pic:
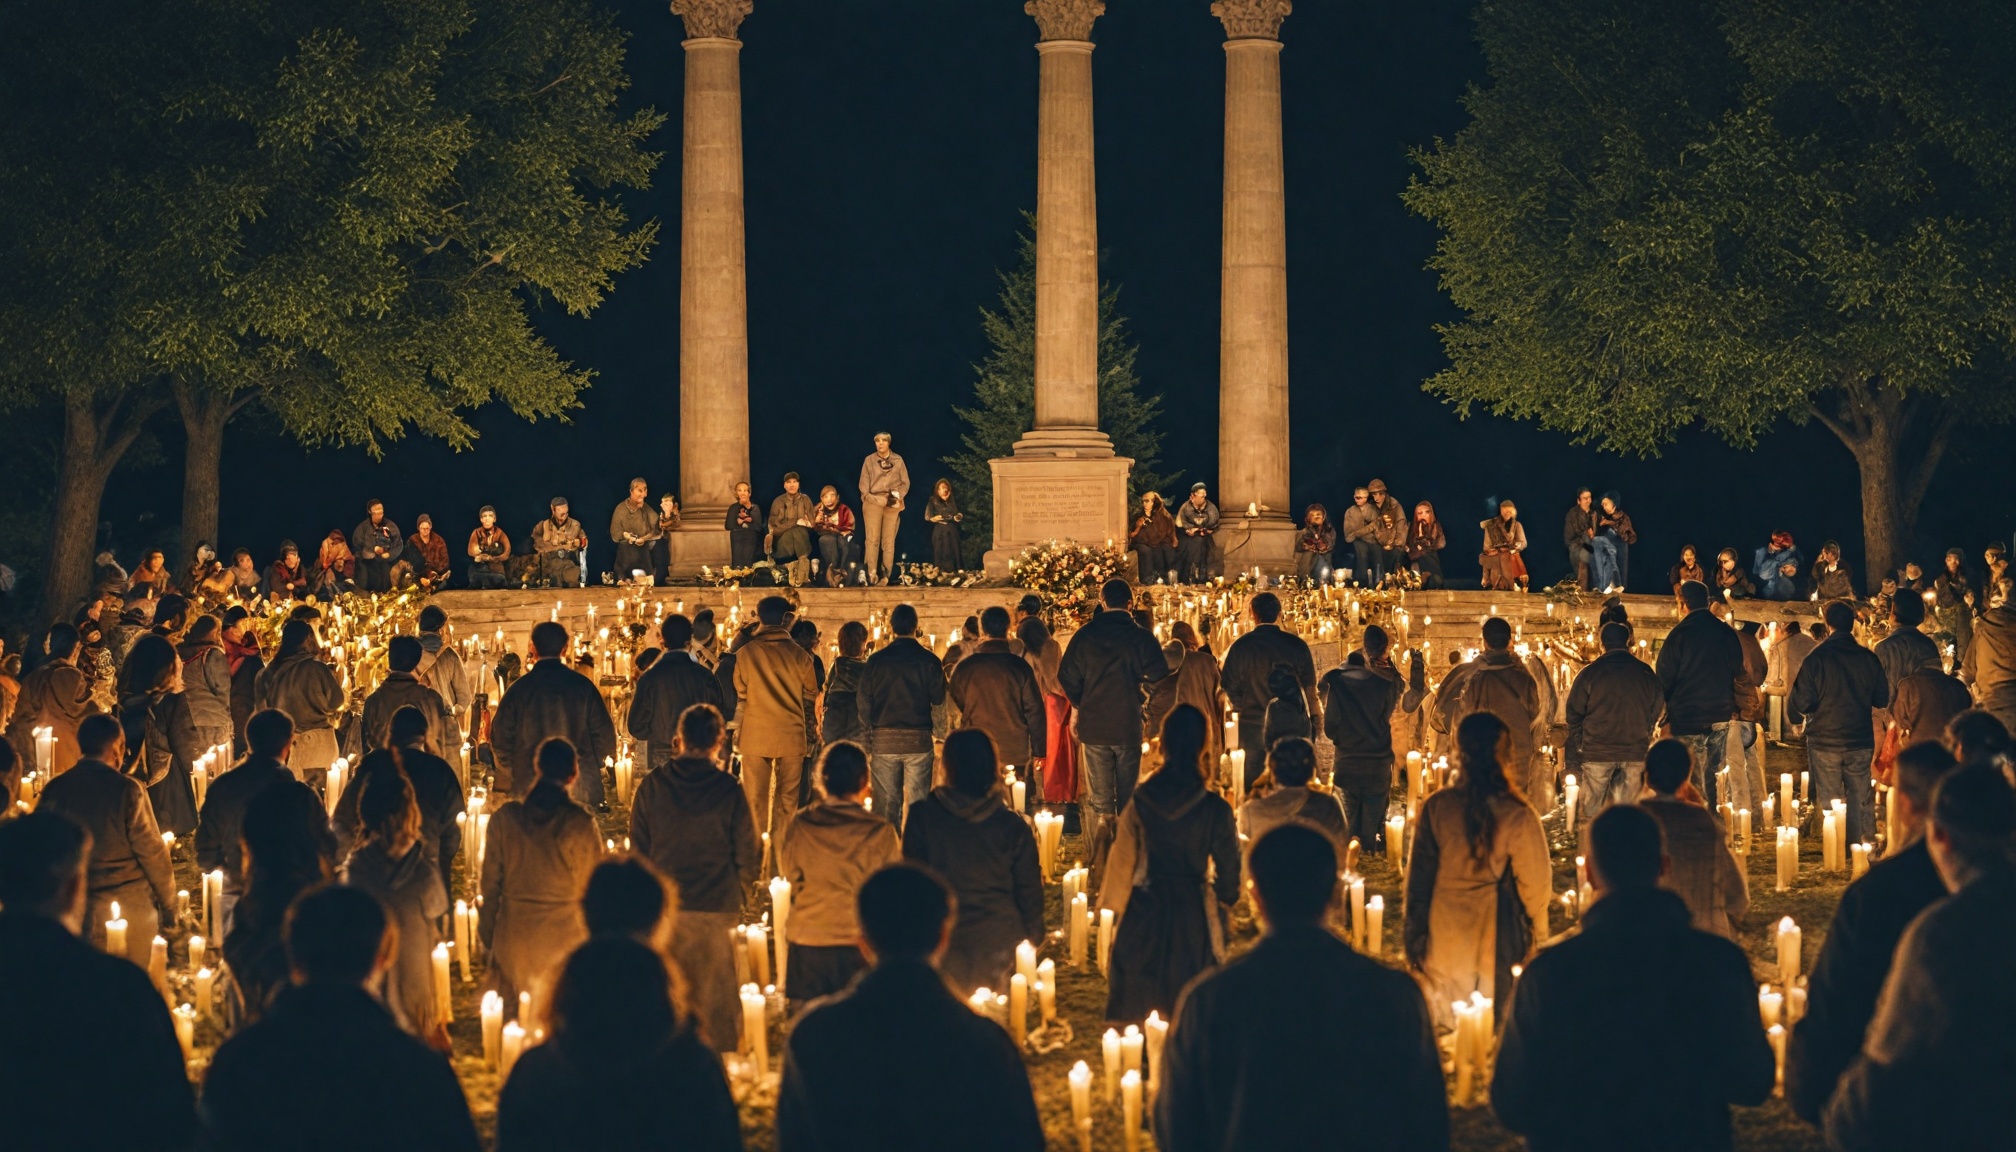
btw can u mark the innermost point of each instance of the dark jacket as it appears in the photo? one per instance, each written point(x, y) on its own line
point(403, 690)
point(384, 534)
point(437, 791)
point(549, 700)
point(1838, 687)
point(842, 718)
point(1905, 651)
point(664, 692)
point(988, 855)
point(896, 693)
point(1698, 667)
point(964, 1087)
point(677, 1098)
point(273, 1084)
point(222, 821)
point(1103, 672)
point(302, 686)
point(1849, 974)
point(1636, 979)
point(1253, 656)
point(88, 1055)
point(1613, 707)
point(1252, 1055)
point(1925, 702)
point(692, 820)
point(996, 692)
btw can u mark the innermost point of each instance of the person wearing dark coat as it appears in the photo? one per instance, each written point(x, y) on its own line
point(390, 863)
point(88, 1055)
point(964, 1086)
point(551, 700)
point(1906, 649)
point(624, 1070)
point(1252, 1051)
point(667, 688)
point(161, 738)
point(1936, 1066)
point(1169, 926)
point(288, 849)
point(1698, 668)
point(1862, 940)
point(1359, 700)
point(378, 544)
point(436, 789)
point(1249, 662)
point(1925, 702)
point(244, 659)
point(965, 833)
point(1839, 688)
point(1613, 706)
point(841, 719)
point(1103, 673)
point(894, 697)
point(1636, 979)
point(282, 1081)
point(1287, 713)
point(128, 863)
point(942, 513)
point(220, 827)
point(745, 525)
point(401, 688)
point(996, 692)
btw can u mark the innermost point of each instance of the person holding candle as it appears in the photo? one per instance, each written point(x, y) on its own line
point(308, 691)
point(1501, 560)
point(899, 687)
point(633, 528)
point(1252, 1056)
point(489, 550)
point(378, 545)
point(536, 858)
point(1613, 707)
point(1314, 543)
point(1839, 688)
point(437, 793)
point(288, 849)
point(830, 851)
point(1425, 542)
point(942, 513)
point(390, 864)
point(55, 695)
point(328, 1066)
point(1701, 869)
point(1989, 664)
point(996, 692)
point(558, 541)
point(962, 1084)
point(667, 689)
point(220, 825)
point(1689, 568)
point(90, 1049)
point(287, 578)
point(1104, 670)
point(1361, 529)
point(1635, 979)
point(551, 701)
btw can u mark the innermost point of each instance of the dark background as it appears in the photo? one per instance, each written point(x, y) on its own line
point(890, 149)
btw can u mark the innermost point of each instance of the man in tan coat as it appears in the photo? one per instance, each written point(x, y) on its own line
point(1701, 869)
point(129, 863)
point(774, 679)
point(1498, 683)
point(55, 695)
point(831, 850)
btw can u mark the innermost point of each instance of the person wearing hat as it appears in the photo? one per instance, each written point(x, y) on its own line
point(377, 544)
point(791, 529)
point(885, 480)
point(559, 542)
point(489, 549)
point(286, 578)
point(1390, 523)
point(1196, 524)
point(1830, 577)
point(427, 554)
point(633, 528)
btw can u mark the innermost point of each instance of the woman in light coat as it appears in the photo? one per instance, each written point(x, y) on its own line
point(537, 855)
point(391, 864)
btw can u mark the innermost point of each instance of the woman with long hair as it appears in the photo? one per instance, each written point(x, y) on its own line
point(942, 513)
point(1314, 543)
point(1611, 549)
point(161, 738)
point(1689, 568)
point(1173, 870)
point(391, 864)
point(288, 850)
point(1479, 866)
point(1503, 565)
point(1061, 780)
point(335, 566)
point(623, 1070)
point(537, 855)
point(1730, 581)
point(153, 574)
point(1151, 532)
point(1425, 541)
point(1198, 685)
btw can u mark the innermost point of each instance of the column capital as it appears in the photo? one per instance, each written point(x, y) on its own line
point(1252, 19)
point(718, 19)
point(1065, 19)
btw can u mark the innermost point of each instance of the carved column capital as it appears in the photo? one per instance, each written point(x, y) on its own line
point(712, 18)
point(1252, 19)
point(1065, 19)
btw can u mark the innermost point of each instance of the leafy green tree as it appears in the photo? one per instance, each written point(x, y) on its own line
point(1004, 395)
point(1731, 213)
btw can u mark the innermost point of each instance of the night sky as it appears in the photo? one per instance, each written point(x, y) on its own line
point(890, 149)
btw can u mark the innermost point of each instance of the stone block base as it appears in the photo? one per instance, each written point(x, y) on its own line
point(1266, 542)
point(693, 547)
point(1039, 498)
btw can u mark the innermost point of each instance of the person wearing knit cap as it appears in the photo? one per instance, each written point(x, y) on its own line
point(287, 577)
point(559, 541)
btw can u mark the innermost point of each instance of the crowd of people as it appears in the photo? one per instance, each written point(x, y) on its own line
point(874, 784)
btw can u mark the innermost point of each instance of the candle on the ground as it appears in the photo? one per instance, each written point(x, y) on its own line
point(1396, 836)
point(1358, 911)
point(213, 894)
point(115, 932)
point(1375, 925)
point(1079, 913)
point(780, 915)
point(1571, 792)
point(1785, 795)
point(462, 934)
point(1156, 1030)
point(1769, 1005)
point(511, 1041)
point(1777, 1034)
point(1018, 1008)
point(1105, 939)
point(1130, 1110)
point(1131, 1044)
point(754, 1036)
point(1081, 1104)
point(1109, 1051)
point(185, 1029)
point(1788, 951)
point(1858, 860)
point(198, 950)
point(1025, 961)
point(443, 1003)
point(157, 965)
point(492, 1012)
point(206, 985)
point(759, 954)
point(1743, 830)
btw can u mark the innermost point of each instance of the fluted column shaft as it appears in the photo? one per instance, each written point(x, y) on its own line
point(713, 292)
point(1253, 430)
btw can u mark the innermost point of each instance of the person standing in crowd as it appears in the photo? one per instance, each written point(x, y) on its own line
point(744, 524)
point(898, 688)
point(1284, 794)
point(661, 548)
point(1613, 707)
point(1935, 1067)
point(328, 1038)
point(1313, 545)
point(1638, 979)
point(942, 513)
point(220, 826)
point(1248, 664)
point(56, 696)
point(161, 740)
point(1196, 527)
point(1060, 783)
point(1479, 862)
point(390, 863)
point(840, 718)
point(1953, 597)
point(1152, 536)
point(633, 528)
point(1831, 578)
point(1989, 664)
point(1425, 542)
point(832, 849)
point(628, 896)
point(1923, 703)
point(288, 850)
point(378, 545)
point(1503, 565)
point(1287, 713)
point(301, 685)
point(885, 481)
point(1777, 568)
point(1578, 534)
point(402, 688)
point(996, 692)
point(1103, 673)
point(441, 669)
point(1689, 568)
point(1907, 648)
point(790, 530)
point(86, 1021)
point(1359, 700)
point(551, 700)
point(1698, 668)
point(1839, 689)
point(489, 550)
point(1249, 1058)
point(287, 579)
point(833, 533)
point(1699, 865)
point(692, 820)
point(667, 689)
point(536, 858)
point(1499, 683)
point(437, 793)
point(1168, 910)
point(559, 542)
point(774, 680)
point(426, 555)
point(1610, 550)
point(964, 832)
point(624, 1068)
point(335, 567)
point(1361, 532)
point(1855, 956)
point(964, 1084)
point(129, 864)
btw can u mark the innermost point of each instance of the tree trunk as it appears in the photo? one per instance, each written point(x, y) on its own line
point(1879, 425)
point(93, 443)
point(1883, 517)
point(204, 415)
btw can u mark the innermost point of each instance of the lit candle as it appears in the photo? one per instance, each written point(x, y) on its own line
point(1785, 795)
point(157, 965)
point(1109, 1049)
point(1375, 922)
point(1743, 830)
point(1081, 1104)
point(780, 915)
point(759, 954)
point(198, 948)
point(1788, 952)
point(1396, 836)
point(1130, 1110)
point(443, 1003)
point(1571, 792)
point(1105, 938)
point(462, 954)
point(1777, 1035)
point(1358, 911)
point(1858, 860)
point(115, 932)
point(1156, 1030)
point(511, 1041)
point(213, 894)
point(754, 1037)
point(206, 984)
point(1769, 1005)
point(1018, 1009)
point(492, 1012)
point(1079, 914)
point(185, 1029)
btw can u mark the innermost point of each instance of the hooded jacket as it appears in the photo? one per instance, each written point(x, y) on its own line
point(988, 855)
point(302, 686)
point(996, 692)
point(829, 851)
point(692, 820)
point(410, 888)
point(404, 690)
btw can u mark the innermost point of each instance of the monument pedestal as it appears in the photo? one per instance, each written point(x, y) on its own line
point(1042, 498)
point(1265, 541)
point(700, 541)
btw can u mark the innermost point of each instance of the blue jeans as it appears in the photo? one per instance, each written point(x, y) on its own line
point(1111, 771)
point(900, 780)
point(1607, 782)
point(1607, 556)
point(1711, 750)
point(1368, 563)
point(1834, 769)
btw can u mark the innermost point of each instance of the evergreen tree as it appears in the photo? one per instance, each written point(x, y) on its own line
point(1004, 394)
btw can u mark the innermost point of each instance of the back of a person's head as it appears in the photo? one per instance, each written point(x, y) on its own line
point(1116, 593)
point(386, 809)
point(1266, 607)
point(627, 896)
point(994, 623)
point(1616, 637)
point(40, 854)
point(1840, 616)
point(1294, 871)
point(843, 768)
point(1908, 609)
point(1817, 631)
point(1497, 632)
point(1030, 605)
point(853, 639)
point(614, 1000)
point(700, 727)
point(1376, 641)
point(556, 760)
point(903, 620)
point(295, 636)
point(150, 665)
point(805, 634)
point(409, 724)
point(403, 653)
point(1667, 765)
point(1974, 810)
point(772, 610)
point(1184, 732)
point(1482, 741)
point(1626, 847)
point(432, 618)
point(676, 632)
point(334, 935)
point(1033, 633)
point(268, 731)
point(1282, 685)
point(97, 735)
point(1614, 611)
point(61, 641)
point(202, 628)
point(1292, 760)
point(1975, 735)
point(549, 639)
point(1920, 767)
point(972, 766)
point(1694, 594)
point(903, 910)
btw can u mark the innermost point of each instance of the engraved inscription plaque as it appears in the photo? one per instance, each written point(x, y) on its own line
point(1061, 507)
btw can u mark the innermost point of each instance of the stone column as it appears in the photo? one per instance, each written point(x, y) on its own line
point(713, 292)
point(1253, 444)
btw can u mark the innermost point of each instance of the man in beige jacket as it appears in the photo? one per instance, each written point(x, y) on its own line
point(832, 848)
point(774, 680)
point(1702, 870)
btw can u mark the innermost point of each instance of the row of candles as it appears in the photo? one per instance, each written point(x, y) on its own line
point(1132, 1066)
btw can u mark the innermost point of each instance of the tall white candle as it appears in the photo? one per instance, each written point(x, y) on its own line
point(1081, 1104)
point(511, 1041)
point(1788, 951)
point(1130, 1110)
point(1109, 1052)
point(1079, 914)
point(1018, 1009)
point(780, 915)
point(1105, 939)
point(444, 1005)
point(491, 1011)
point(206, 987)
point(115, 932)
point(755, 1036)
point(1375, 921)
point(198, 949)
